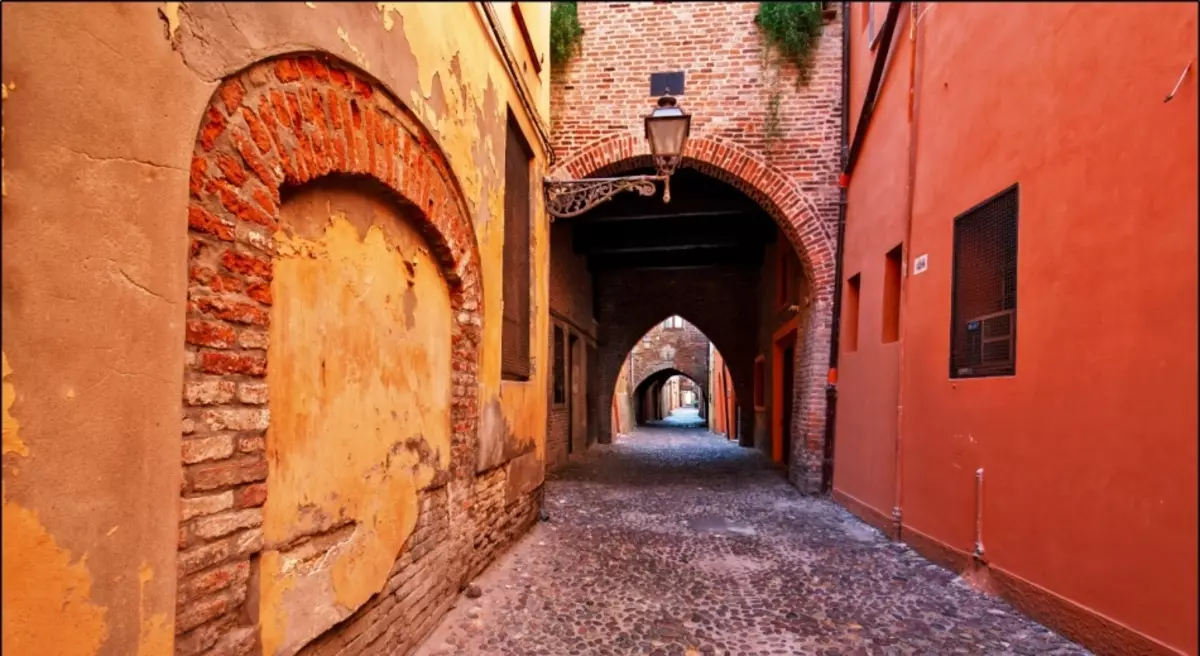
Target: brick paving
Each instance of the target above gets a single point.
(676, 541)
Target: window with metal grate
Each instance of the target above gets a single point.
(983, 310)
(515, 332)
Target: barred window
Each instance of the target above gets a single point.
(983, 330)
(517, 209)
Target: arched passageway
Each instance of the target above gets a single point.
(723, 255)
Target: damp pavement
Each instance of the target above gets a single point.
(676, 541)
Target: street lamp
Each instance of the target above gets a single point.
(667, 129)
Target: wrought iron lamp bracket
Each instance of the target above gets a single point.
(570, 198)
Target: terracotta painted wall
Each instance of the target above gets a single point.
(1089, 450)
(105, 103)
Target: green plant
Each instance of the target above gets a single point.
(790, 33)
(565, 31)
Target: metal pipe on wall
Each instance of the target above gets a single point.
(849, 158)
(913, 107)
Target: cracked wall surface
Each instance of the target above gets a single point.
(100, 124)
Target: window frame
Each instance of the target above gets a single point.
(524, 371)
(955, 372)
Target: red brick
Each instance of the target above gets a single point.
(212, 580)
(240, 208)
(205, 505)
(227, 473)
(260, 292)
(222, 524)
(251, 496)
(208, 333)
(256, 164)
(214, 126)
(200, 449)
(201, 220)
(248, 364)
(247, 265)
(198, 176)
(199, 612)
(340, 79)
(232, 169)
(230, 310)
(286, 70)
(231, 94)
(258, 131)
(265, 201)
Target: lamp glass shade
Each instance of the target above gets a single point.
(667, 131)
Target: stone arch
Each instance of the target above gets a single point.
(809, 235)
(276, 125)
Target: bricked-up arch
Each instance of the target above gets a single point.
(278, 124)
(799, 220)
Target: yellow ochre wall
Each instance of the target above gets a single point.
(104, 102)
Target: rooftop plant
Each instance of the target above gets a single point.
(565, 31)
(790, 34)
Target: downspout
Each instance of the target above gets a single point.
(849, 158)
(898, 505)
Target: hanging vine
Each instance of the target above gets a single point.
(565, 31)
(790, 34)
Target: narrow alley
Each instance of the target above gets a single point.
(594, 328)
(677, 541)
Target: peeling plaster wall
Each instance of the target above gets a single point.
(360, 376)
(100, 122)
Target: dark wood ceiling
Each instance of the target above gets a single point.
(707, 223)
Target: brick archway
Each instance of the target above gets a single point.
(659, 377)
(275, 125)
(728, 162)
(810, 237)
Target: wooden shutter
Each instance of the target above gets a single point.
(515, 336)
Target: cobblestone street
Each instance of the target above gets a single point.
(677, 541)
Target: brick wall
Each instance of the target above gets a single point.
(598, 100)
(280, 123)
(571, 305)
(630, 303)
(683, 349)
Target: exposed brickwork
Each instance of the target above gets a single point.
(601, 95)
(630, 303)
(281, 123)
(683, 349)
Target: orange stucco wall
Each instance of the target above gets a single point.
(1089, 451)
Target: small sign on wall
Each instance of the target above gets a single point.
(920, 264)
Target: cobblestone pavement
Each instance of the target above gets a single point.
(677, 541)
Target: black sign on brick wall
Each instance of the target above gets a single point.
(663, 84)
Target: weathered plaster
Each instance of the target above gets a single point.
(157, 634)
(440, 59)
(47, 598)
(360, 407)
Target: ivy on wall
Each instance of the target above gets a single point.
(565, 31)
(791, 31)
